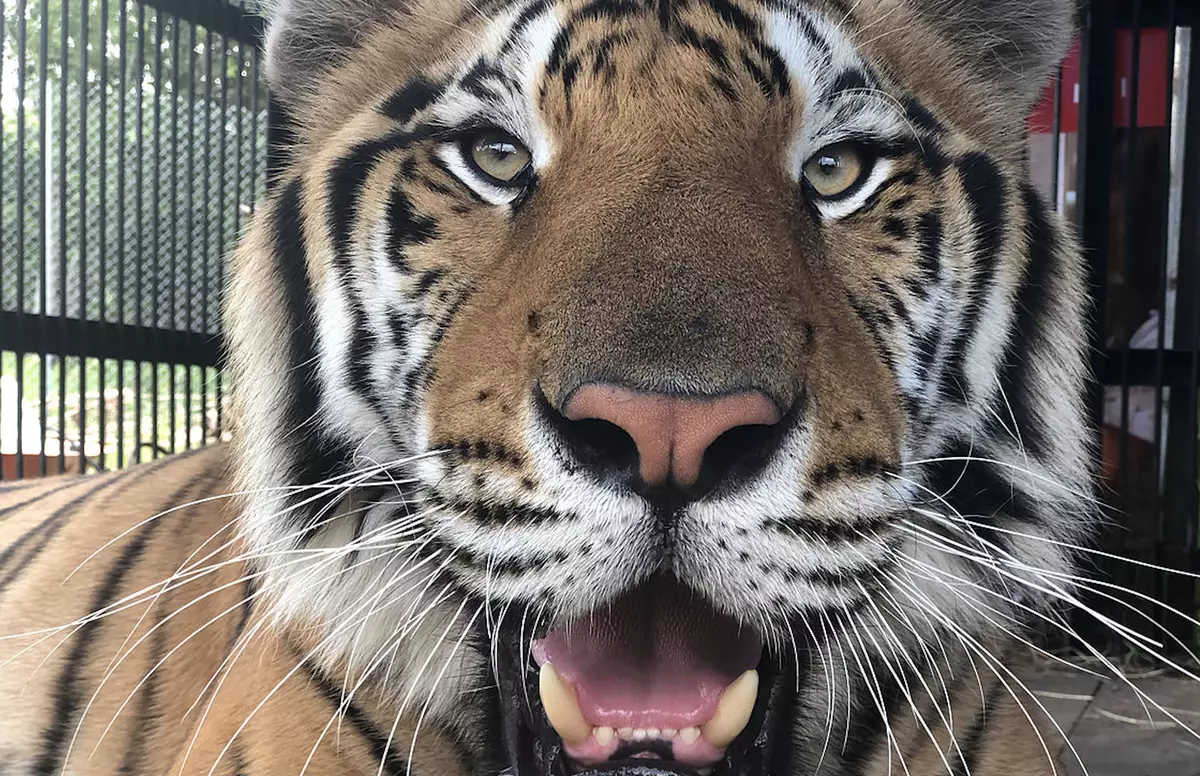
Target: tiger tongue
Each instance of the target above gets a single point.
(657, 659)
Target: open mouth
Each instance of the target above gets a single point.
(656, 682)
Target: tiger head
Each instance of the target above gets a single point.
(614, 375)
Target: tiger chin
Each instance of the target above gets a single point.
(640, 387)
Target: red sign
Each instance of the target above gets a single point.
(1155, 71)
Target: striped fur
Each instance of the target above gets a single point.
(395, 498)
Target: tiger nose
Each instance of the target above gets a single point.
(671, 433)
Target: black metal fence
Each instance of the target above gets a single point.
(135, 141)
(1127, 136)
(132, 149)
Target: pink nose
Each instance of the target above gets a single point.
(671, 433)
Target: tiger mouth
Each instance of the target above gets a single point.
(656, 683)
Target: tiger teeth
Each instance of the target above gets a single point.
(733, 711)
(562, 708)
(730, 719)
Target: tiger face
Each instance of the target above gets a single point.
(634, 370)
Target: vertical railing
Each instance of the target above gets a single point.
(1139, 135)
(126, 169)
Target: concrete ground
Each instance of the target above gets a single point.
(1111, 730)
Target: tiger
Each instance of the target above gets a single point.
(620, 388)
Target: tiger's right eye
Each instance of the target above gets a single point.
(499, 156)
(836, 169)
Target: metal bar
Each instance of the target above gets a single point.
(1097, 71)
(139, 266)
(221, 195)
(253, 179)
(1161, 286)
(62, 232)
(156, 249)
(221, 17)
(1154, 13)
(191, 224)
(96, 339)
(1142, 368)
(1129, 245)
(123, 259)
(1056, 139)
(43, 248)
(1189, 234)
(22, 75)
(102, 213)
(205, 260)
(174, 257)
(81, 423)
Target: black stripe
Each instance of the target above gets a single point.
(850, 80)
(867, 726)
(69, 691)
(406, 227)
(922, 118)
(344, 183)
(983, 185)
(876, 322)
(736, 18)
(315, 457)
(978, 492)
(238, 757)
(410, 99)
(41, 496)
(376, 740)
(929, 234)
(1034, 312)
(12, 487)
(973, 743)
(41, 534)
(144, 715)
(531, 12)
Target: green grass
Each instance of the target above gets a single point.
(132, 430)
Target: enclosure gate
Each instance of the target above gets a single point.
(133, 147)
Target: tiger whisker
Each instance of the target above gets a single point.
(970, 643)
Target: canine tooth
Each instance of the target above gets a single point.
(689, 735)
(669, 732)
(733, 711)
(639, 735)
(603, 735)
(625, 732)
(561, 707)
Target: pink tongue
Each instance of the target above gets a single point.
(658, 658)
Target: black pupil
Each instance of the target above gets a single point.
(829, 164)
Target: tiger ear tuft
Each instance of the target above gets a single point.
(1013, 44)
(307, 38)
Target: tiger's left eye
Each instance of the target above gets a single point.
(498, 155)
(836, 169)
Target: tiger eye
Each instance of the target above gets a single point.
(499, 155)
(834, 170)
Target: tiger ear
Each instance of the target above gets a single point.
(1013, 44)
(307, 38)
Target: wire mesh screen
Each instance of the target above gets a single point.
(133, 148)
